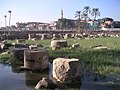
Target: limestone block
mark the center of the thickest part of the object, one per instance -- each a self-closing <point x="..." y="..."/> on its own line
<point x="36" y="59"/>
<point x="21" y="46"/>
<point x="18" y="53"/>
<point x="55" y="36"/>
<point x="33" y="47"/>
<point x="33" y="39"/>
<point x="5" y="46"/>
<point x="67" y="36"/>
<point x="45" y="83"/>
<point x="36" y="46"/>
<point x="65" y="70"/>
<point x="30" y="36"/>
<point x="20" y="41"/>
<point x="4" y="41"/>
<point x="76" y="45"/>
<point x="99" y="47"/>
<point x="44" y="36"/>
<point x="58" y="43"/>
<point x="102" y="47"/>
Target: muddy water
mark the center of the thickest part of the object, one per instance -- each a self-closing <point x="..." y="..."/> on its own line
<point x="13" y="79"/>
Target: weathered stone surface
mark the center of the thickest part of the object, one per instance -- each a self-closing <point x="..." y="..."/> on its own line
<point x="45" y="83"/>
<point x="102" y="47"/>
<point x="33" y="39"/>
<point x="65" y="70"/>
<point x="5" y="45"/>
<point x="4" y="41"/>
<point x="20" y="41"/>
<point x="76" y="45"/>
<point x="18" y="53"/>
<point x="36" y="46"/>
<point x="98" y="47"/>
<point x="55" y="36"/>
<point x="30" y="36"/>
<point x="58" y="44"/>
<point x="21" y="46"/>
<point x="44" y="36"/>
<point x="67" y="36"/>
<point x="36" y="59"/>
<point x="33" y="47"/>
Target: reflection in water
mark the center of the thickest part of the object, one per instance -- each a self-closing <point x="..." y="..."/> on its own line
<point x="12" y="79"/>
<point x="31" y="79"/>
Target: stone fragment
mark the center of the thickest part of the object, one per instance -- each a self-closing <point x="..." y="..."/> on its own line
<point x="45" y="83"/>
<point x="36" y="59"/>
<point x="66" y="70"/>
<point x="18" y="53"/>
<point x="76" y="45"/>
<point x="56" y="44"/>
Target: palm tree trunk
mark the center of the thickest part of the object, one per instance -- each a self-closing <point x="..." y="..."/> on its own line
<point x="5" y="21"/>
<point x="9" y="19"/>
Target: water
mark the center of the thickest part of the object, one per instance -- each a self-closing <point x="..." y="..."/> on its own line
<point x="13" y="79"/>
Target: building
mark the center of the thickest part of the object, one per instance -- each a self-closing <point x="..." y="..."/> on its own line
<point x="64" y="23"/>
<point x="33" y="26"/>
<point x="53" y="25"/>
<point x="116" y="24"/>
<point x="93" y="25"/>
<point x="106" y="23"/>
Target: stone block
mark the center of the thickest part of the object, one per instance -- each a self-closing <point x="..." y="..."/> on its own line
<point x="58" y="43"/>
<point x="36" y="59"/>
<point x="18" y="53"/>
<point x="76" y="45"/>
<point x="20" y="41"/>
<point x="21" y="46"/>
<point x="65" y="70"/>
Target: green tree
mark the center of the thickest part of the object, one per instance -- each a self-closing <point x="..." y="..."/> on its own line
<point x="86" y="12"/>
<point x="95" y="12"/>
<point x="78" y="14"/>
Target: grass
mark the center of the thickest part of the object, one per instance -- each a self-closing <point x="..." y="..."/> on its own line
<point x="100" y="62"/>
<point x="4" y="58"/>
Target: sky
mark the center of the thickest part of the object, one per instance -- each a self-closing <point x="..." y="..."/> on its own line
<point x="49" y="10"/>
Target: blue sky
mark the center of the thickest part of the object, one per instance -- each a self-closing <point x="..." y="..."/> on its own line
<point x="49" y="10"/>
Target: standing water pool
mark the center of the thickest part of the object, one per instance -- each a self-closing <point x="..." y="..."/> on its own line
<point x="12" y="78"/>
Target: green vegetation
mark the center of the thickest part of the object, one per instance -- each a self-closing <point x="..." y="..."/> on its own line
<point x="4" y="58"/>
<point x="100" y="62"/>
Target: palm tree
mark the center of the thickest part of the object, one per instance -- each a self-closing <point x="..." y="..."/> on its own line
<point x="77" y="14"/>
<point x="86" y="12"/>
<point x="9" y="17"/>
<point x="95" y="12"/>
<point x="5" y="20"/>
<point x="78" y="20"/>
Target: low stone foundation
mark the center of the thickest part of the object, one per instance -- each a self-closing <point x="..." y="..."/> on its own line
<point x="36" y="59"/>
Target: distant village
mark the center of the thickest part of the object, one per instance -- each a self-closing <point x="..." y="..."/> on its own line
<point x="82" y="21"/>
